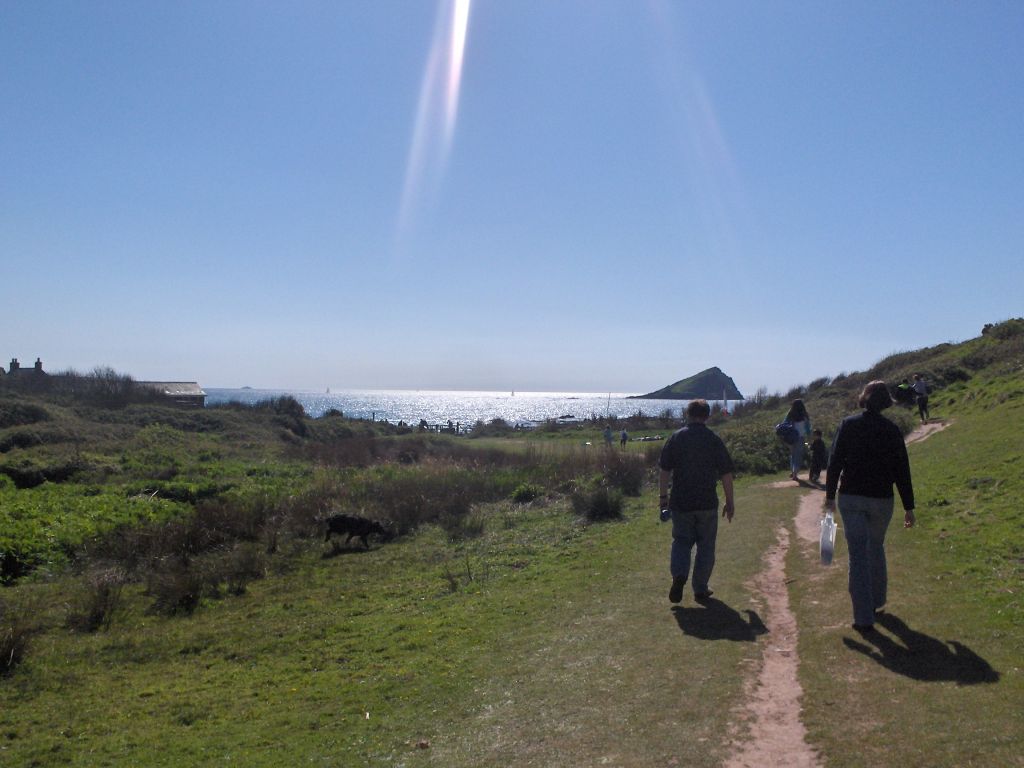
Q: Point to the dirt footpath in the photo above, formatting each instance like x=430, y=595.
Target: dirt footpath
x=768, y=730
x=776, y=735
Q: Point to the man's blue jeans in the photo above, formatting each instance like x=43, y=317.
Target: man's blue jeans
x=689, y=528
x=865, y=521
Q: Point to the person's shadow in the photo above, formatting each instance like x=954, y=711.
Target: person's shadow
x=922, y=657
x=714, y=620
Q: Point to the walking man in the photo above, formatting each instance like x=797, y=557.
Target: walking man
x=920, y=388
x=694, y=459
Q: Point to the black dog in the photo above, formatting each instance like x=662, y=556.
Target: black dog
x=355, y=526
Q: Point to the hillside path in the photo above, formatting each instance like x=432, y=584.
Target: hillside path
x=776, y=735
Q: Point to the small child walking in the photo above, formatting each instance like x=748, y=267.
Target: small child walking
x=819, y=457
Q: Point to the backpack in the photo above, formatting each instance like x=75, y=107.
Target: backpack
x=787, y=432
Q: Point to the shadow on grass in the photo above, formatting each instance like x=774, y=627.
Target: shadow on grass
x=922, y=657
x=715, y=620
x=337, y=549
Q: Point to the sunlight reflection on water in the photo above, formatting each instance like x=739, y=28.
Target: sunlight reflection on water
x=466, y=408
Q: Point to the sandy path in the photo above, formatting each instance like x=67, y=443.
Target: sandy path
x=774, y=734
x=925, y=431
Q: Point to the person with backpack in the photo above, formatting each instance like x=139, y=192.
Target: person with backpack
x=801, y=421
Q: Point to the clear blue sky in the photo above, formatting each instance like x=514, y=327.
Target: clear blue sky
x=622, y=194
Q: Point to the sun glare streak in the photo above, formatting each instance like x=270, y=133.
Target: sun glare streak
x=704, y=153
x=437, y=110
x=460, y=23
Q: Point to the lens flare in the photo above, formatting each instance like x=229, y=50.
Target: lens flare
x=437, y=111
x=457, y=50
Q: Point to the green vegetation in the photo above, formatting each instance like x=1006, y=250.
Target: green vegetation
x=710, y=384
x=171, y=600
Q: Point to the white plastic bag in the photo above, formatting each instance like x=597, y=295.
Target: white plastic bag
x=828, y=538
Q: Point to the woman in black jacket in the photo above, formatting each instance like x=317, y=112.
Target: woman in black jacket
x=868, y=458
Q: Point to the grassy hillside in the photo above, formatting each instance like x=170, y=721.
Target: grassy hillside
x=191, y=615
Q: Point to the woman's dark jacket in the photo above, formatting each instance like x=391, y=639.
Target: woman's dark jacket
x=868, y=457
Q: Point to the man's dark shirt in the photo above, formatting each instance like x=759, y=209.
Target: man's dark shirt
x=697, y=459
x=868, y=456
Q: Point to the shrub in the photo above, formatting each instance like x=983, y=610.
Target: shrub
x=32, y=436
x=98, y=598
x=626, y=473
x=427, y=493
x=468, y=526
x=175, y=586
x=242, y=564
x=598, y=503
x=18, y=622
x=16, y=414
x=1004, y=330
x=493, y=428
x=526, y=492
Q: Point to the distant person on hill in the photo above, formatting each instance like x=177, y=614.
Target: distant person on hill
x=798, y=417
x=694, y=460
x=868, y=457
x=921, y=390
x=819, y=457
x=623, y=438
x=608, y=435
x=905, y=393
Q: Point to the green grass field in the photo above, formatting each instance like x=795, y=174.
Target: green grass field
x=505, y=633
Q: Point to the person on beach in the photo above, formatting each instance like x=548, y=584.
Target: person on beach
x=694, y=460
x=868, y=458
x=623, y=438
x=819, y=457
x=798, y=417
x=920, y=388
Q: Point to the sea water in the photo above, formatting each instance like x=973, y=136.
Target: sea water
x=465, y=408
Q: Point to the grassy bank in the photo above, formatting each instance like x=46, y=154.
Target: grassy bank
x=178, y=604
x=943, y=683
x=547, y=634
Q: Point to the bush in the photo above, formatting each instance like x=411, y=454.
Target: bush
x=16, y=414
x=429, y=493
x=1004, y=330
x=176, y=586
x=598, y=503
x=468, y=526
x=98, y=598
x=242, y=564
x=493, y=428
x=526, y=492
x=18, y=622
x=20, y=438
x=627, y=473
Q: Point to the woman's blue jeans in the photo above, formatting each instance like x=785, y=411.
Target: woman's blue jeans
x=865, y=521
x=688, y=529
x=796, y=456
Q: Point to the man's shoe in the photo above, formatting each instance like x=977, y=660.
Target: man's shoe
x=702, y=597
x=675, y=594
